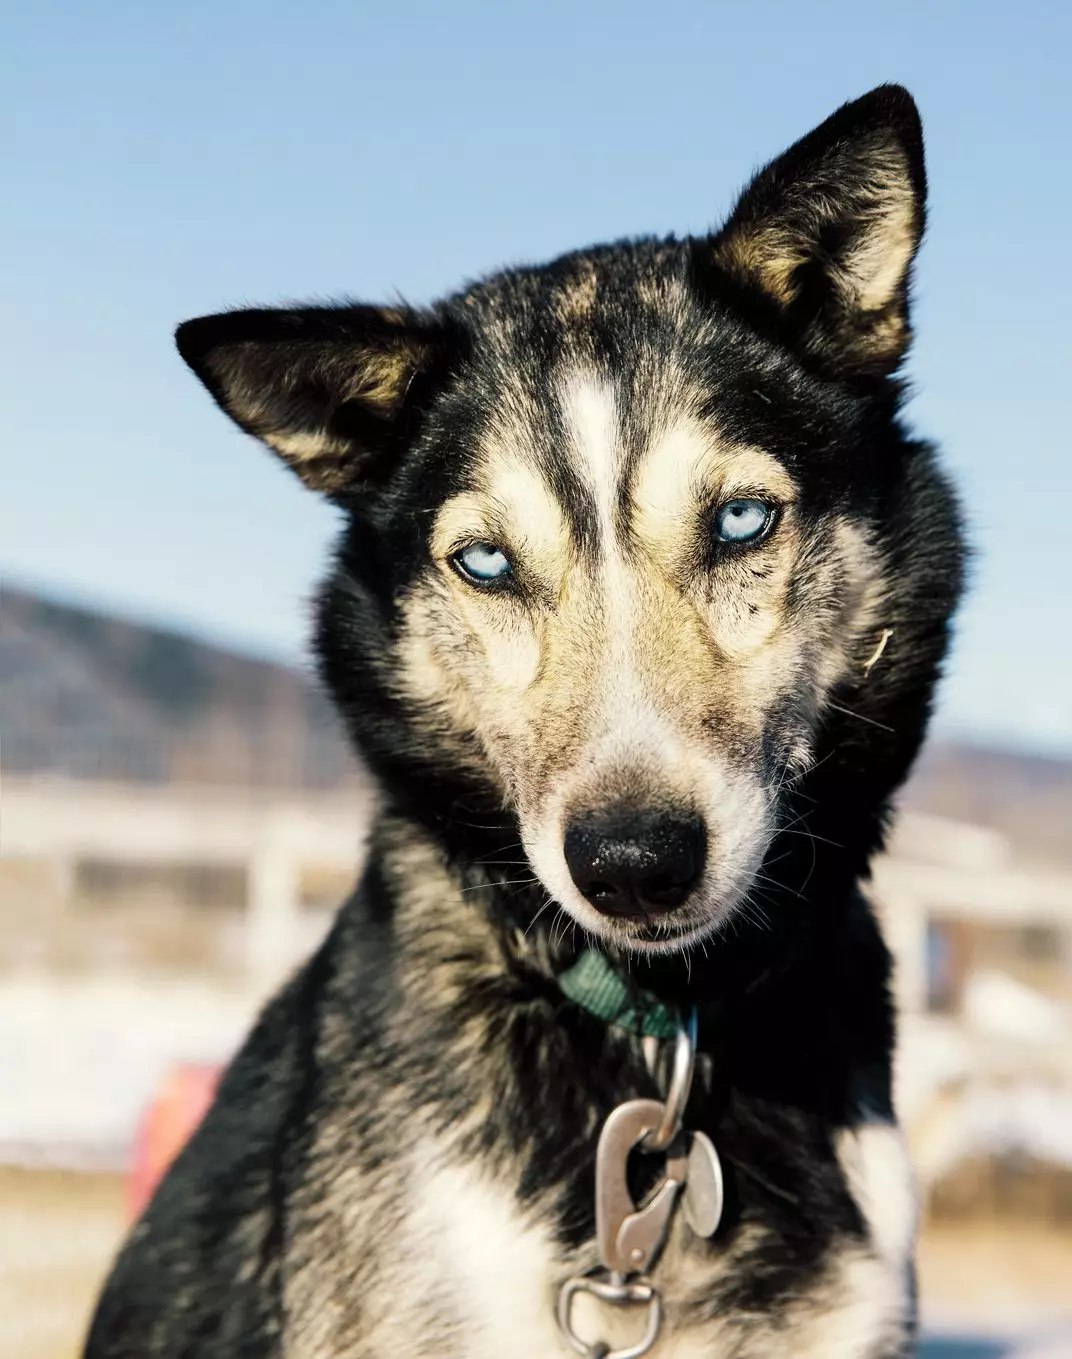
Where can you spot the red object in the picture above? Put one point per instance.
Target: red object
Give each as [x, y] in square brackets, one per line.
[167, 1126]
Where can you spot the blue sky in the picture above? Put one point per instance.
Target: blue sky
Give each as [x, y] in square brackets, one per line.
[164, 160]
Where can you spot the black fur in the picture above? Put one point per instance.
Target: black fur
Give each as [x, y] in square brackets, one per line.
[797, 1028]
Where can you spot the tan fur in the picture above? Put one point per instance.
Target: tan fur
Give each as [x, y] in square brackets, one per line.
[629, 668]
[663, 294]
[299, 447]
[577, 301]
[769, 254]
[375, 376]
[382, 377]
[768, 257]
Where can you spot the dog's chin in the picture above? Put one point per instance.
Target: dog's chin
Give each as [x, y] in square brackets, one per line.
[703, 915]
[673, 932]
[662, 937]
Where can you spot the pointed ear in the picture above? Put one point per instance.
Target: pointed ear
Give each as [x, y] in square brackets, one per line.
[828, 231]
[330, 389]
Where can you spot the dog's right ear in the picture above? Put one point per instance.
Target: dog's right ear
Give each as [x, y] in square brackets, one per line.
[826, 234]
[330, 389]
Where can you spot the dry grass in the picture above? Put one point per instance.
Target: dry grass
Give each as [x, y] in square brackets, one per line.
[1012, 1272]
[58, 1233]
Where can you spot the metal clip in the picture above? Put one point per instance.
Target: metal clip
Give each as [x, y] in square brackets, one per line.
[629, 1237]
[635, 1293]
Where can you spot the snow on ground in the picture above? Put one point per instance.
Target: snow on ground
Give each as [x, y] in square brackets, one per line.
[83, 1056]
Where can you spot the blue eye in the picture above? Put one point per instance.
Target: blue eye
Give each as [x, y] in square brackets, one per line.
[742, 521]
[483, 564]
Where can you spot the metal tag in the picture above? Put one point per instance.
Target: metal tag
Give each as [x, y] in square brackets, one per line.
[703, 1186]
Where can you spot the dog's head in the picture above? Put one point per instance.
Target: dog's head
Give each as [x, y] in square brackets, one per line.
[621, 530]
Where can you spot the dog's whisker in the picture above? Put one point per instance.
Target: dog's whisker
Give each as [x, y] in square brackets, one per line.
[861, 717]
[506, 882]
[812, 836]
[540, 911]
[775, 884]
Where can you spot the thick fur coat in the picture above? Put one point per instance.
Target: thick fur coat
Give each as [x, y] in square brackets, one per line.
[549, 615]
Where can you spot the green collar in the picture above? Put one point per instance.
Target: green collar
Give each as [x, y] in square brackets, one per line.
[594, 984]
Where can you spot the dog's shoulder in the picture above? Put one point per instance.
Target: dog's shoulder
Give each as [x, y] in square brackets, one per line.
[209, 1242]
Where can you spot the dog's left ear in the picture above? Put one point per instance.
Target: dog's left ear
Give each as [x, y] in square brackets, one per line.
[826, 234]
[331, 389]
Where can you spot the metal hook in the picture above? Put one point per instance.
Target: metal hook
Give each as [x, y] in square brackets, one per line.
[629, 1236]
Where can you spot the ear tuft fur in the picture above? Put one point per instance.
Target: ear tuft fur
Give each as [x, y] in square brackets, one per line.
[325, 387]
[827, 232]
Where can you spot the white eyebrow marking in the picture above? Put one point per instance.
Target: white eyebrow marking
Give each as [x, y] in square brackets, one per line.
[591, 415]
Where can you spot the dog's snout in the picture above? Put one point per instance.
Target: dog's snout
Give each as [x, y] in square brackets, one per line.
[636, 864]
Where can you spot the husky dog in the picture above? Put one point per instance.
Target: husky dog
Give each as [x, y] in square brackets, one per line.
[636, 617]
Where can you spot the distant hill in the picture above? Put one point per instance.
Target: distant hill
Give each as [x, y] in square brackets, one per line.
[1025, 796]
[86, 694]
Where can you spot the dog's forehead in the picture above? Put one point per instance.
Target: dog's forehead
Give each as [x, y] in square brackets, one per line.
[606, 304]
[591, 454]
[601, 386]
[671, 353]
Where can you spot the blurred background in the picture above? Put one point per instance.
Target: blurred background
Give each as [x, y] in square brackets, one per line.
[178, 815]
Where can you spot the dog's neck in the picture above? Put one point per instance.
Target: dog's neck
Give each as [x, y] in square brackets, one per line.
[797, 1013]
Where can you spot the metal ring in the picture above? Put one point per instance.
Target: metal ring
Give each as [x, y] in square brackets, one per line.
[680, 1086]
[636, 1292]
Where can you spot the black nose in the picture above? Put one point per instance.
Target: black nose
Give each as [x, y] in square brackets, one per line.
[636, 864]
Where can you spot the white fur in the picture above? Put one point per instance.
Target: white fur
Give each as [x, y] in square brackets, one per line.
[875, 1160]
[493, 1273]
[591, 417]
[488, 1263]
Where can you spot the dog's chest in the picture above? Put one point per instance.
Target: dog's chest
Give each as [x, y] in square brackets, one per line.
[493, 1272]
[467, 1273]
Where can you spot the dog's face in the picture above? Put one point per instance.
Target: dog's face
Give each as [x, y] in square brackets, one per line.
[631, 605]
[617, 529]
